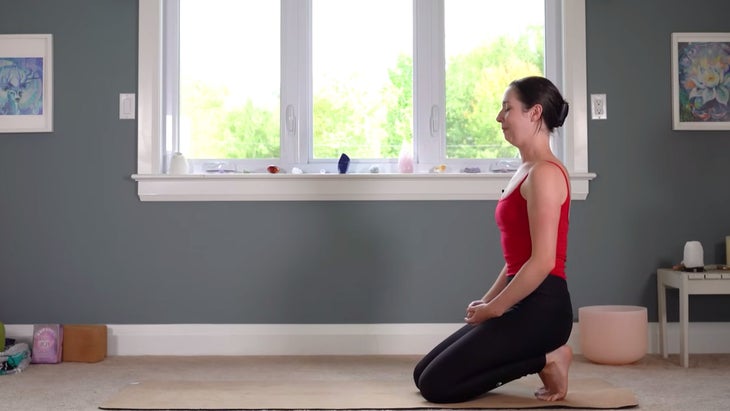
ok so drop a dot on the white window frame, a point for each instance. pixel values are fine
(153, 185)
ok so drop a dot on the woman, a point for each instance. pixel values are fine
(523, 322)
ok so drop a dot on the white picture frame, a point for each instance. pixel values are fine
(700, 81)
(26, 83)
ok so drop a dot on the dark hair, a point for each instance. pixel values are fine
(539, 90)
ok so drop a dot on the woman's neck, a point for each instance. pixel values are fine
(538, 151)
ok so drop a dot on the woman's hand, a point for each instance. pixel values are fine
(478, 311)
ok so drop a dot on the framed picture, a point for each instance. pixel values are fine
(700, 81)
(26, 83)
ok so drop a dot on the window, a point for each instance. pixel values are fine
(362, 69)
(228, 78)
(412, 84)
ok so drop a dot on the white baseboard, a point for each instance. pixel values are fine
(333, 339)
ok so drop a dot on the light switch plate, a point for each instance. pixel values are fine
(126, 106)
(598, 106)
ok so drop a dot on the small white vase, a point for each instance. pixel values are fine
(694, 256)
(178, 164)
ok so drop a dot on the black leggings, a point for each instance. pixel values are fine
(478, 358)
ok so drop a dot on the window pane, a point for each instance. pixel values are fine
(362, 77)
(229, 78)
(489, 43)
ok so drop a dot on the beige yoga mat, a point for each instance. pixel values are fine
(343, 395)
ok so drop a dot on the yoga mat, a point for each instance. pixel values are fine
(347, 395)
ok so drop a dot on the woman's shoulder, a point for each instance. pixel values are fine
(547, 175)
(548, 167)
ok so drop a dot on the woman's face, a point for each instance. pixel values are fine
(515, 119)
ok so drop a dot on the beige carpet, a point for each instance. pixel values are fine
(370, 394)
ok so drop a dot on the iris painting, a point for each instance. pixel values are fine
(704, 81)
(21, 86)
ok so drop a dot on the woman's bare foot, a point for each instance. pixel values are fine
(555, 375)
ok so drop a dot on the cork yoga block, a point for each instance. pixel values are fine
(84, 343)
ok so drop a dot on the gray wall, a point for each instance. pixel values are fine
(77, 246)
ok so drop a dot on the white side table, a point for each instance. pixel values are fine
(708, 282)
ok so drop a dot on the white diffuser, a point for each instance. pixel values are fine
(694, 257)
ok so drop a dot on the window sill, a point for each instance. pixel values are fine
(331, 187)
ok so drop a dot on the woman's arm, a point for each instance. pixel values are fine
(499, 283)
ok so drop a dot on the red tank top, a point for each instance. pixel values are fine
(511, 217)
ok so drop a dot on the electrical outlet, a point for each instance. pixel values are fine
(126, 106)
(598, 106)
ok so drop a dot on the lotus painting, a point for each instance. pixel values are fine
(701, 81)
(21, 86)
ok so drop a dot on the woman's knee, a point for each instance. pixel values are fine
(417, 376)
(435, 394)
(437, 388)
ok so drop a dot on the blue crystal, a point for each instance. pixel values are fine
(343, 163)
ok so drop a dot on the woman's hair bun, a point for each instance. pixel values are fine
(563, 113)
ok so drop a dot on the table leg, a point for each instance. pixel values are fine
(662, 312)
(684, 321)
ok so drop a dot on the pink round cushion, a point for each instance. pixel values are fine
(613, 334)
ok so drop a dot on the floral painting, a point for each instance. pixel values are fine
(702, 81)
(21, 86)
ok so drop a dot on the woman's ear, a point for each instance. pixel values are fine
(536, 112)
